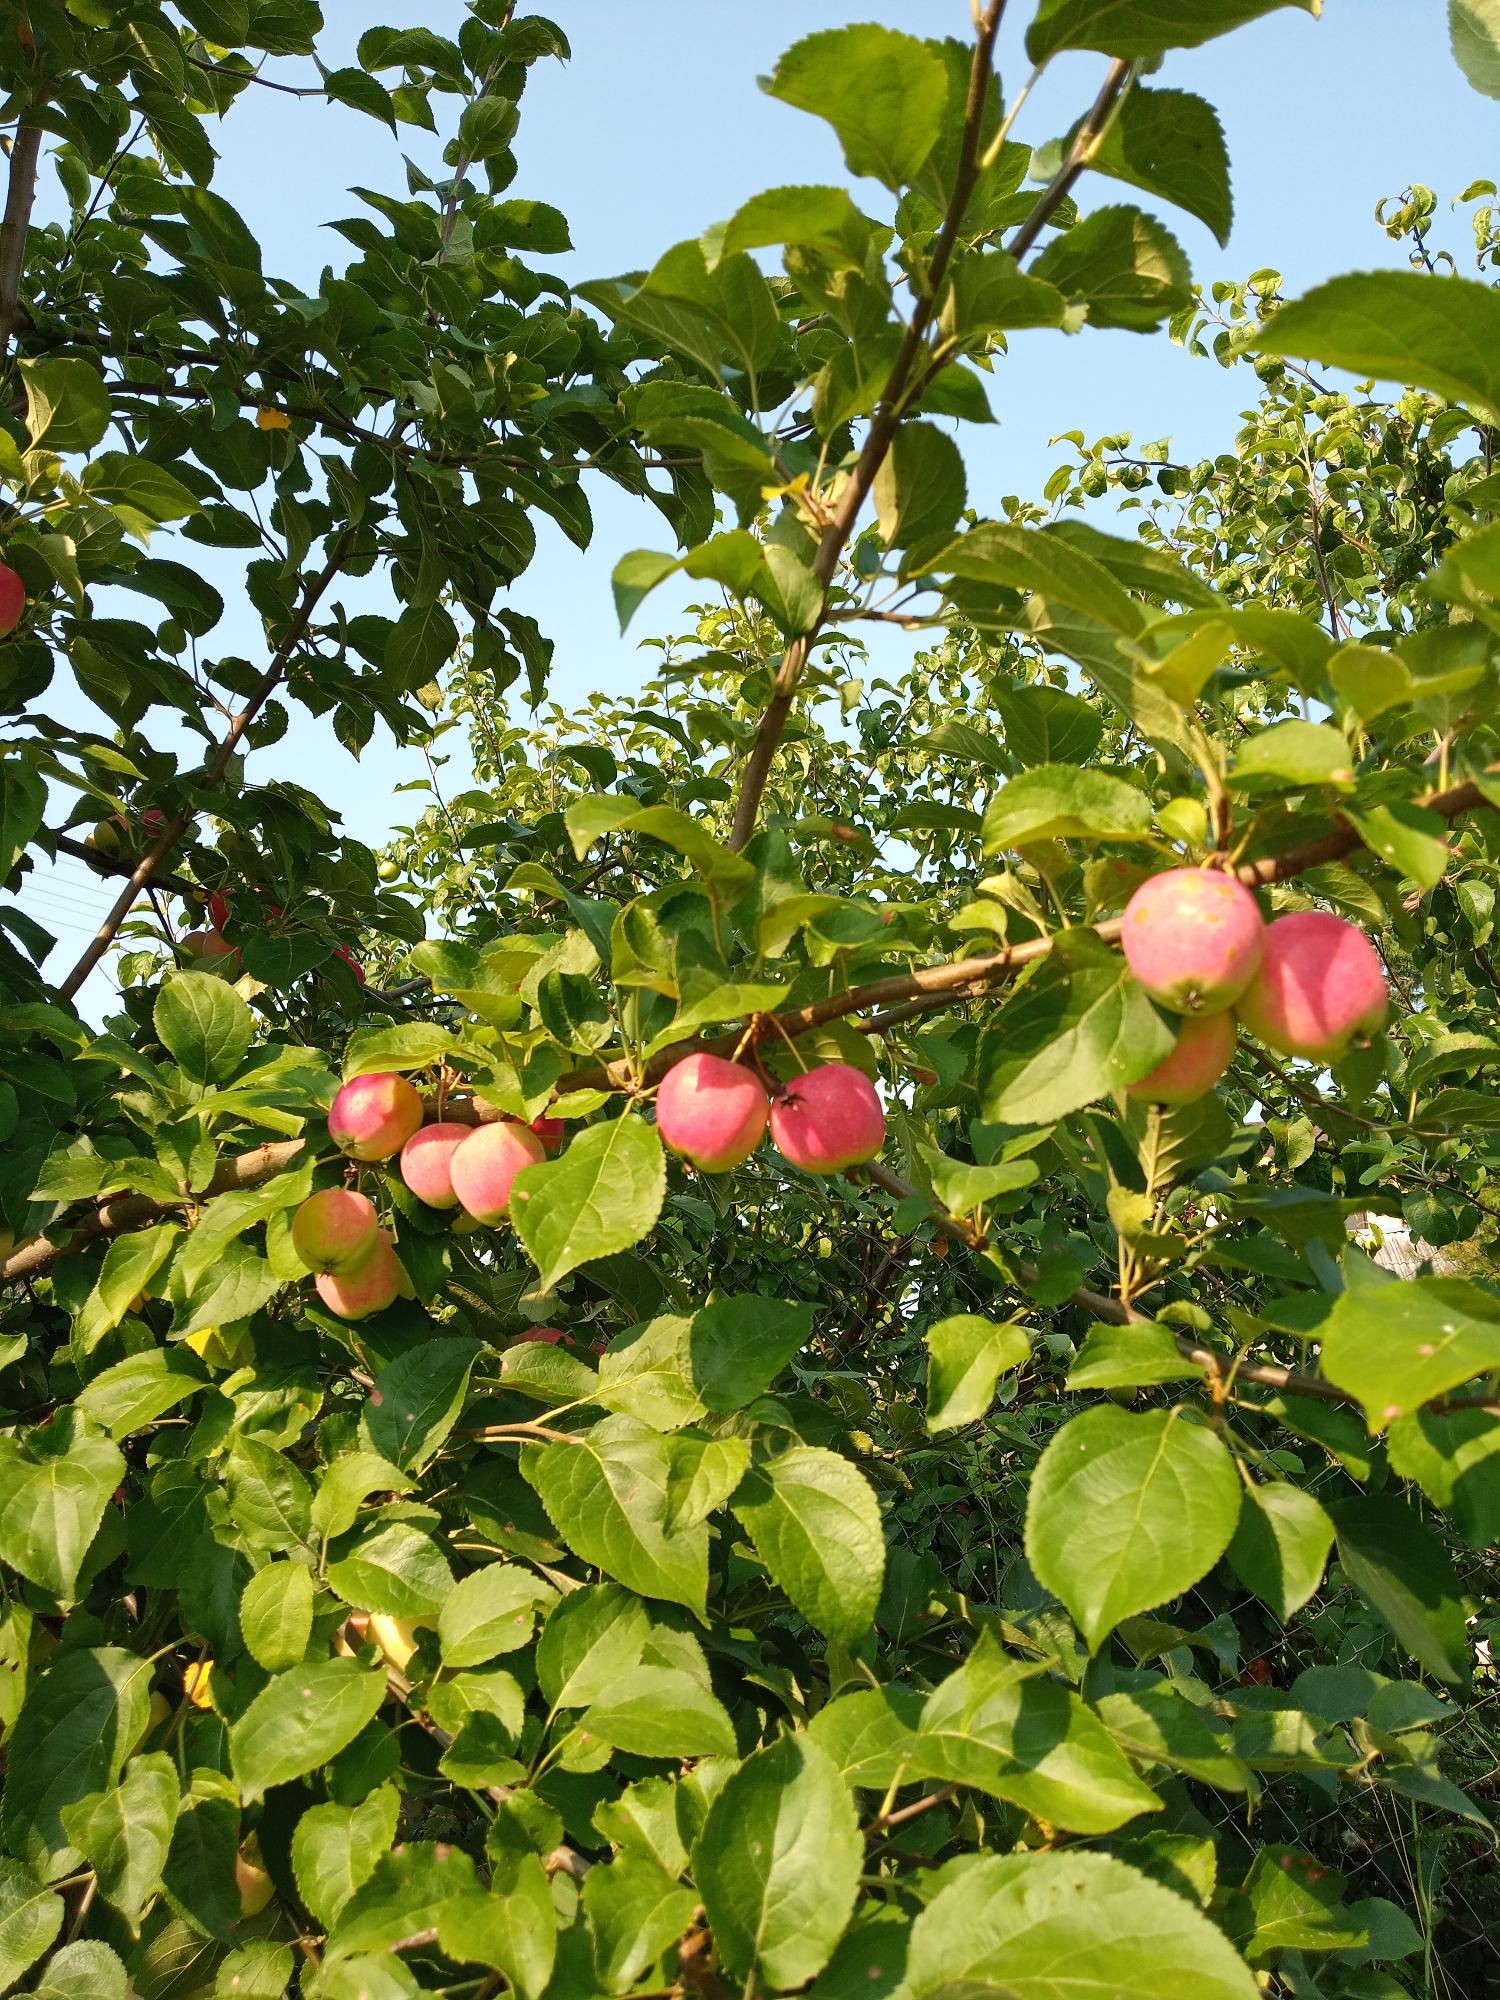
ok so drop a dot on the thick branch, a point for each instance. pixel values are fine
(213, 772)
(906, 994)
(112, 864)
(25, 152)
(878, 438)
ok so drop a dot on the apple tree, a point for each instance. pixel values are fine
(740, 1367)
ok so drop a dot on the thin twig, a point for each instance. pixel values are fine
(1085, 144)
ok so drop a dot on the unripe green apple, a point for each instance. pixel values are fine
(711, 1112)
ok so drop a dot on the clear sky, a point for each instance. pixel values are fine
(657, 129)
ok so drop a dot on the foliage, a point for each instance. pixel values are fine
(978, 1575)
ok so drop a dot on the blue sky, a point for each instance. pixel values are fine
(657, 129)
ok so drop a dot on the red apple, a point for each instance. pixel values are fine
(484, 1166)
(372, 1285)
(1193, 938)
(218, 909)
(342, 951)
(374, 1116)
(426, 1163)
(335, 1230)
(1320, 987)
(223, 957)
(711, 1112)
(12, 600)
(829, 1119)
(1204, 1049)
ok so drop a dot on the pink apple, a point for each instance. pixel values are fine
(484, 1166)
(829, 1119)
(1205, 1046)
(711, 1112)
(374, 1116)
(426, 1162)
(1193, 938)
(372, 1285)
(1320, 987)
(335, 1229)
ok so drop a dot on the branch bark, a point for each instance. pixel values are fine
(1082, 150)
(25, 153)
(878, 438)
(213, 773)
(909, 993)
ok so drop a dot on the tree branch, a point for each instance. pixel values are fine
(878, 438)
(908, 993)
(25, 152)
(213, 773)
(1082, 150)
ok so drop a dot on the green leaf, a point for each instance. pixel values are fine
(1031, 1741)
(1401, 1570)
(30, 1918)
(491, 1612)
(1157, 1725)
(871, 1735)
(51, 1506)
(1441, 334)
(1396, 1346)
(703, 1473)
(1129, 1357)
(23, 801)
(415, 1045)
(604, 1194)
(204, 1025)
(635, 1912)
(1121, 264)
(269, 1497)
(1142, 29)
(1280, 1548)
(725, 875)
(1474, 27)
(822, 218)
(276, 1615)
(661, 1712)
(990, 293)
(1294, 1903)
(512, 1926)
(335, 1849)
(416, 1401)
(67, 404)
(1456, 1462)
(967, 1356)
(406, 1892)
(777, 1864)
(740, 1344)
(1295, 753)
(920, 488)
(1160, 1497)
(135, 1392)
(591, 1639)
(1171, 144)
(300, 1720)
(79, 1723)
(1056, 802)
(1065, 1926)
(125, 1834)
(1408, 838)
(130, 1263)
(347, 1484)
(884, 94)
(1077, 1030)
(84, 1967)
(606, 1495)
(815, 1523)
(395, 1567)
(721, 317)
(1046, 725)
(1045, 561)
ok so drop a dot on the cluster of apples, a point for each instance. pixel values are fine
(12, 600)
(715, 1113)
(1307, 984)
(337, 1231)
